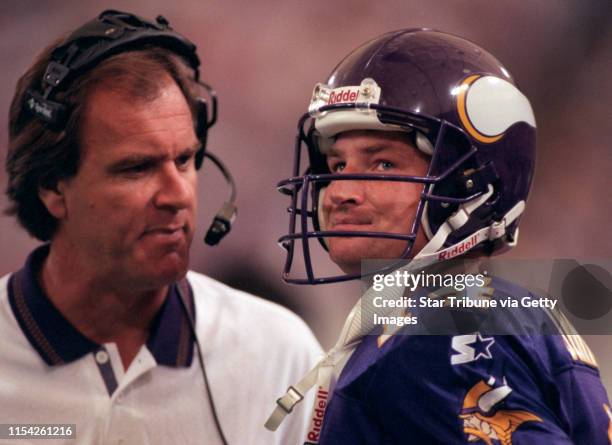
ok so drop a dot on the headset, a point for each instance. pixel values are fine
(111, 33)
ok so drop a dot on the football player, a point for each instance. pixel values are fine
(421, 148)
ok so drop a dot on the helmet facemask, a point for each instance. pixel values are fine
(439, 199)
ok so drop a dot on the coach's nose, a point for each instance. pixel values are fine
(176, 188)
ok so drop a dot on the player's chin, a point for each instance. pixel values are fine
(352, 254)
(348, 253)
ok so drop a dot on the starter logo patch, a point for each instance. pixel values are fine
(470, 348)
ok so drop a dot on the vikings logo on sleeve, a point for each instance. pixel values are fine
(481, 419)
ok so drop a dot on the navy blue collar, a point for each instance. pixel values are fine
(58, 342)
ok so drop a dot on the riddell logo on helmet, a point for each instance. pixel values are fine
(459, 249)
(343, 95)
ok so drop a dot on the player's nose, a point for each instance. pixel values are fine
(343, 191)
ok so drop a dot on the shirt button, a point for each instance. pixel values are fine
(101, 357)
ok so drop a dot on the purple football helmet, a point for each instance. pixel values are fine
(460, 106)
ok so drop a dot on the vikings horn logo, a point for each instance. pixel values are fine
(482, 422)
(488, 106)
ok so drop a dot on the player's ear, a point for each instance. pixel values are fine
(54, 199)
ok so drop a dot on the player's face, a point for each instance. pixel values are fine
(376, 206)
(132, 204)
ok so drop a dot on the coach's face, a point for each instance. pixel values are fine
(373, 206)
(132, 204)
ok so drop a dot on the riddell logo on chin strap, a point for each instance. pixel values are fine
(342, 95)
(458, 249)
(317, 416)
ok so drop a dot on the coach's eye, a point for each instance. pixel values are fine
(137, 168)
(183, 161)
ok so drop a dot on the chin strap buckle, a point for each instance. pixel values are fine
(498, 228)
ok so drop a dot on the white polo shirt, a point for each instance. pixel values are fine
(51, 374)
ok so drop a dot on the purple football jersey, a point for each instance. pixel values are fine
(471, 388)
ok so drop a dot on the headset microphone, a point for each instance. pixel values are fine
(226, 215)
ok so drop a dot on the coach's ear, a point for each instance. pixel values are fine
(54, 200)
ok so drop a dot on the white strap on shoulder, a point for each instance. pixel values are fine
(358, 324)
(295, 393)
(293, 396)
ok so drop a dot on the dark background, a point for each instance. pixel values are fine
(264, 57)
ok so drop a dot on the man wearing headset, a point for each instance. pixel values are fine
(420, 147)
(105, 337)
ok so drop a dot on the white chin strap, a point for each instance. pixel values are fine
(452, 223)
(431, 253)
(355, 326)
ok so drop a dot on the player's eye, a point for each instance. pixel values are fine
(337, 166)
(384, 165)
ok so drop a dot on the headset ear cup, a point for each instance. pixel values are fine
(53, 114)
